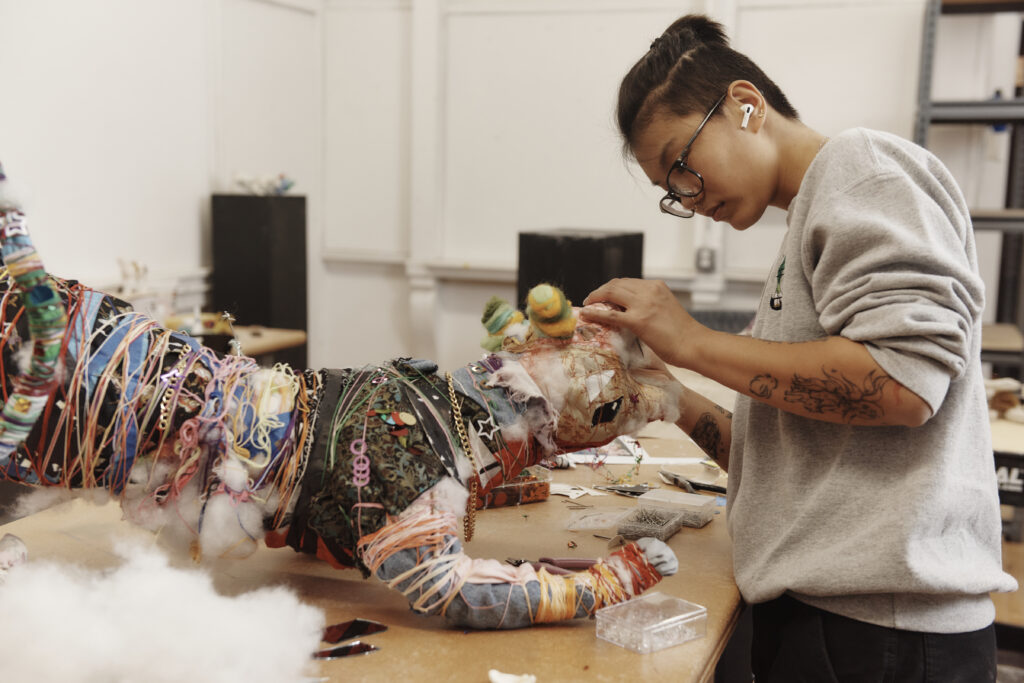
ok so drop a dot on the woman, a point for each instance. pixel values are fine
(862, 495)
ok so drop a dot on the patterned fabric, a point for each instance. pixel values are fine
(398, 417)
(373, 416)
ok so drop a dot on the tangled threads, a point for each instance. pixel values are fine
(47, 320)
(138, 406)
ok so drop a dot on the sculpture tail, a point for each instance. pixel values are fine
(47, 321)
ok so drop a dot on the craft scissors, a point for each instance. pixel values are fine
(690, 485)
(346, 631)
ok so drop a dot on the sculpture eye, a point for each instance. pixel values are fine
(606, 412)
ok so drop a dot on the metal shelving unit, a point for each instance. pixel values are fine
(1007, 357)
(1003, 342)
(1008, 220)
(996, 111)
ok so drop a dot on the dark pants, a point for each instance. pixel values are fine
(794, 642)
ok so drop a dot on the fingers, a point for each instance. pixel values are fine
(598, 294)
(612, 291)
(619, 295)
(600, 314)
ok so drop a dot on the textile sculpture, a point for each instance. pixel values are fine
(366, 467)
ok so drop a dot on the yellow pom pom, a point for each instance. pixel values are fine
(550, 312)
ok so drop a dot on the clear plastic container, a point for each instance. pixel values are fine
(696, 510)
(651, 622)
(601, 518)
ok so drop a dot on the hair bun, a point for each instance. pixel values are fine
(698, 29)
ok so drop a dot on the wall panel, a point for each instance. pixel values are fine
(105, 128)
(367, 144)
(530, 140)
(818, 52)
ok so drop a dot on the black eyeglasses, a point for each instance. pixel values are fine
(682, 181)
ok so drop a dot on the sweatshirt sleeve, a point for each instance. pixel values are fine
(890, 262)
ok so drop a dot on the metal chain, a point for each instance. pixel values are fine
(469, 521)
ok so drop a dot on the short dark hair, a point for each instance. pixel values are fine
(686, 70)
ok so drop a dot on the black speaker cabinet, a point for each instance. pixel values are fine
(578, 261)
(259, 263)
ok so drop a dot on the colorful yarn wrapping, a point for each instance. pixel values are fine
(434, 534)
(47, 321)
(438, 577)
(131, 392)
(559, 597)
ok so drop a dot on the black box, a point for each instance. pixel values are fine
(577, 260)
(259, 263)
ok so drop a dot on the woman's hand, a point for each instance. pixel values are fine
(650, 310)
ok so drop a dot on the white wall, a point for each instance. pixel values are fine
(365, 311)
(841, 65)
(511, 128)
(451, 126)
(268, 109)
(424, 133)
(121, 117)
(104, 125)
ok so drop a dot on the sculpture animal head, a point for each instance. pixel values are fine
(598, 382)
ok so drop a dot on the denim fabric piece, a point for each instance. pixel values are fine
(478, 605)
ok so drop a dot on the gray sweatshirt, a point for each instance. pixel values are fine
(895, 526)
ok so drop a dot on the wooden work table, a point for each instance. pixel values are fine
(257, 340)
(416, 648)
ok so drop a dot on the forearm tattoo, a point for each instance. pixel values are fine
(708, 434)
(763, 386)
(836, 395)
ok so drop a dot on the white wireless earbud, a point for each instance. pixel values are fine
(748, 109)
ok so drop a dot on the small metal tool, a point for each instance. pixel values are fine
(554, 565)
(354, 648)
(631, 490)
(690, 485)
(568, 562)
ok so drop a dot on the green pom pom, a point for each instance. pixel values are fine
(492, 306)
